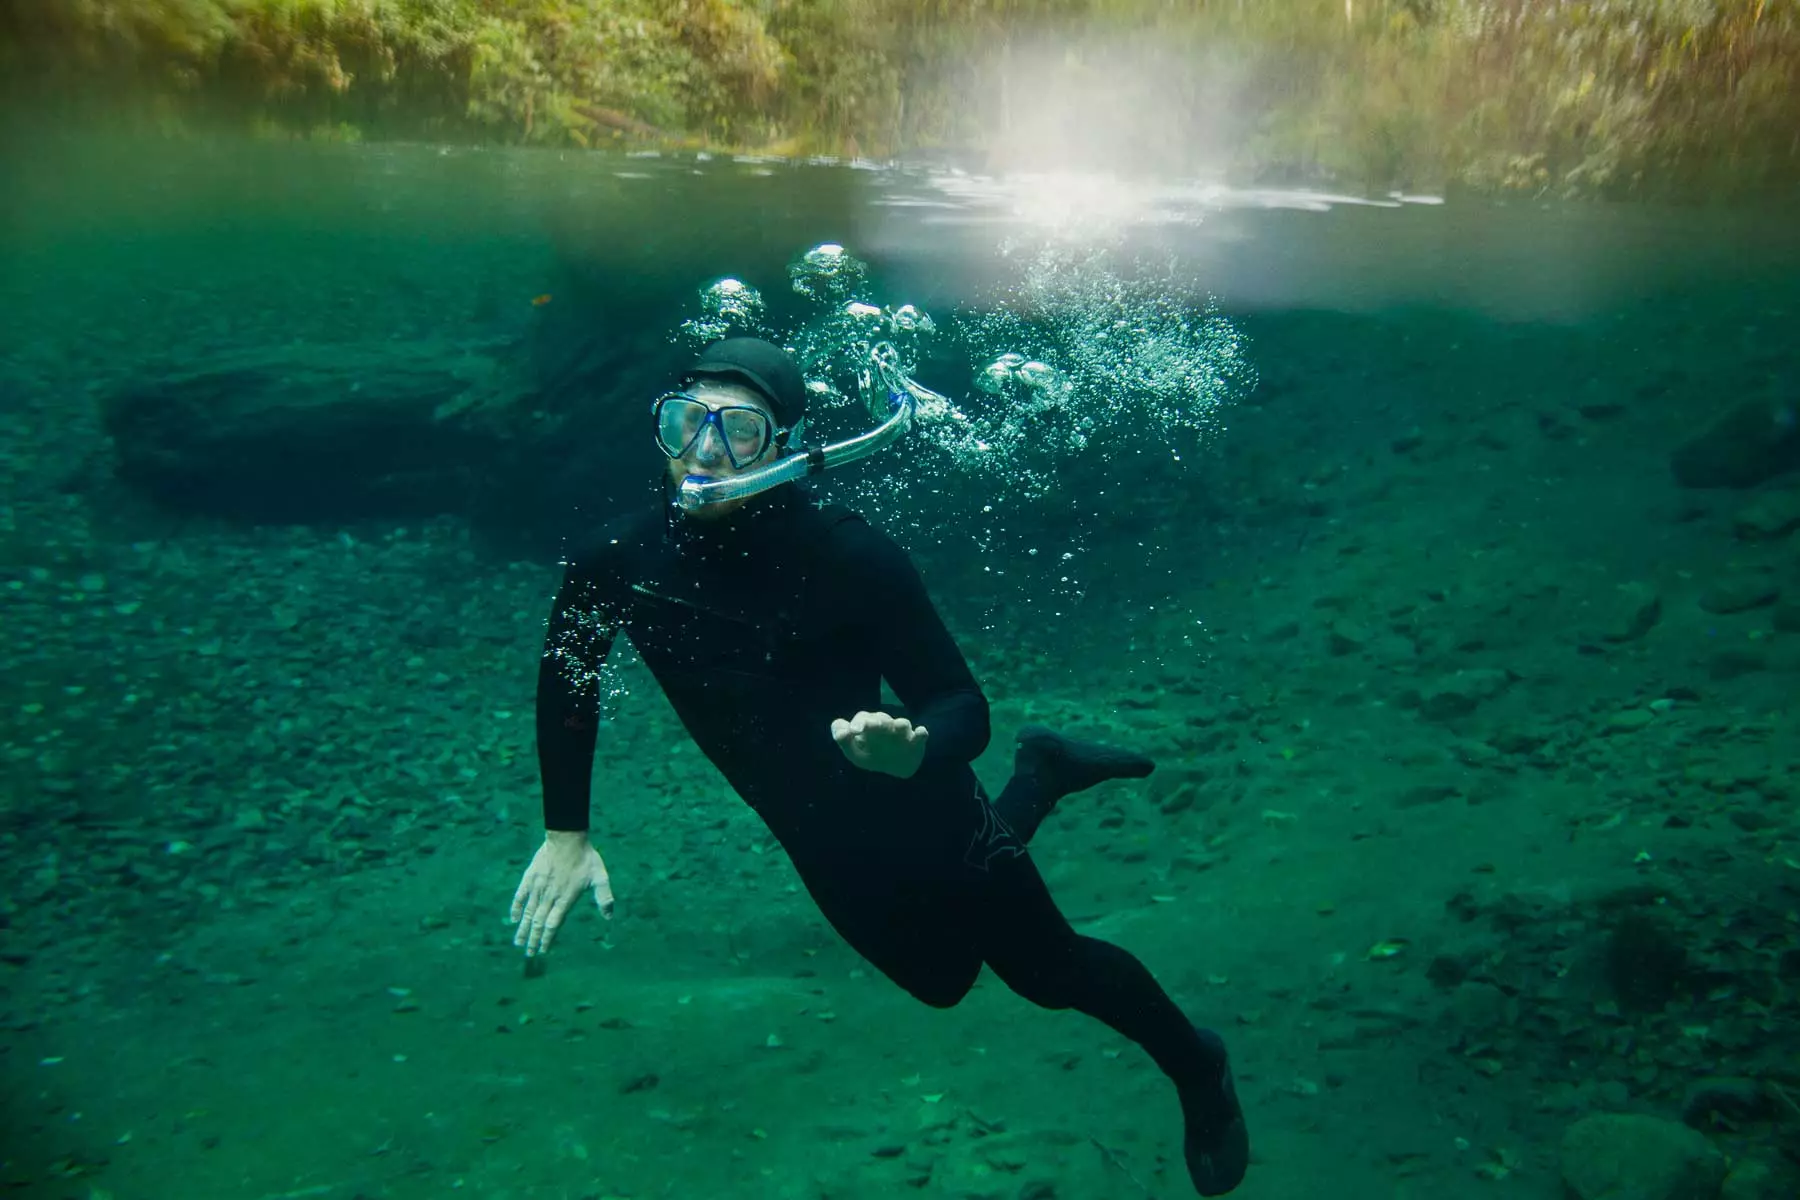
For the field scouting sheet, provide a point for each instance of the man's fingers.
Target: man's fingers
(526, 898)
(866, 735)
(523, 904)
(850, 738)
(872, 722)
(552, 922)
(603, 896)
(868, 722)
(558, 911)
(537, 905)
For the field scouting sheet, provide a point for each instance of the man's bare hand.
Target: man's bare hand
(565, 866)
(875, 741)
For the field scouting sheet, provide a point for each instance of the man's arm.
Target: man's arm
(918, 657)
(579, 637)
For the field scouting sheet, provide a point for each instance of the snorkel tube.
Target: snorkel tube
(903, 398)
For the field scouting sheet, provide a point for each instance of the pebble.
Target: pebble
(1629, 721)
(1739, 594)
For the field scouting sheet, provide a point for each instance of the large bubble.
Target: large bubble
(827, 273)
(727, 308)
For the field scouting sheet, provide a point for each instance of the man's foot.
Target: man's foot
(1217, 1142)
(1063, 765)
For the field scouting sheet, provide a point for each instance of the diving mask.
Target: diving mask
(902, 397)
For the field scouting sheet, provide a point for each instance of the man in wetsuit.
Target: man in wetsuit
(770, 623)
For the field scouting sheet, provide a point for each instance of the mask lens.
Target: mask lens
(678, 421)
(746, 432)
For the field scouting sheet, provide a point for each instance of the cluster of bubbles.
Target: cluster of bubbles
(834, 349)
(1078, 360)
(1081, 360)
(831, 344)
(574, 648)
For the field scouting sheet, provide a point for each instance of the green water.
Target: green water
(1444, 555)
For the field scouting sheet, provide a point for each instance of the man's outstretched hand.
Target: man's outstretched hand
(565, 866)
(875, 741)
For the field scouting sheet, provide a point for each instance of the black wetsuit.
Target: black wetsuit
(762, 627)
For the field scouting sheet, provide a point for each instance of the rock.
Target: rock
(1646, 962)
(1179, 800)
(1482, 1009)
(1735, 663)
(1739, 593)
(1769, 516)
(1472, 752)
(1520, 741)
(1736, 1100)
(316, 432)
(1556, 425)
(512, 436)
(1629, 720)
(1426, 793)
(1601, 410)
(1752, 1179)
(1460, 694)
(1393, 647)
(1344, 637)
(1624, 1156)
(1755, 441)
(1627, 615)
(1177, 789)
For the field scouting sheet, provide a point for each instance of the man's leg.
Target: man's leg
(908, 927)
(1030, 945)
(1048, 766)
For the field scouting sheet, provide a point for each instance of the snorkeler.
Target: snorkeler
(770, 622)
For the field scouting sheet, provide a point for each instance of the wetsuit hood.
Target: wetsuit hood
(759, 365)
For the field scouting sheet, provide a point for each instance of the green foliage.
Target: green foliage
(1593, 96)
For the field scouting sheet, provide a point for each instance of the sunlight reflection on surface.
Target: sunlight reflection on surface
(1071, 201)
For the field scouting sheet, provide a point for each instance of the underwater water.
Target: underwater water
(1445, 555)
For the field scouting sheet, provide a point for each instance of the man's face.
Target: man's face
(707, 458)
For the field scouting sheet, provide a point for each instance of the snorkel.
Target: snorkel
(903, 396)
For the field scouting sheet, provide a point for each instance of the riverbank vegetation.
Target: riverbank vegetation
(1689, 97)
